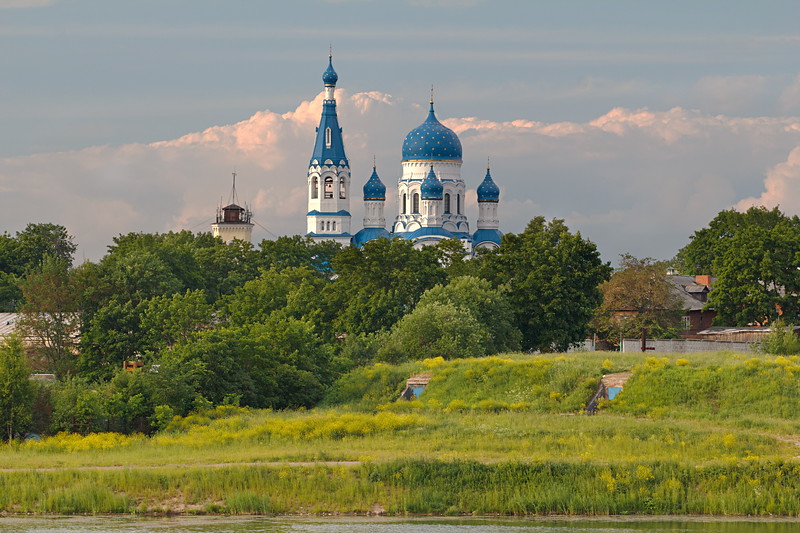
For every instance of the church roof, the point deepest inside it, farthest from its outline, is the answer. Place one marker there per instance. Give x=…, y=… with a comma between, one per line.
x=488, y=191
x=432, y=141
x=329, y=143
x=329, y=77
x=368, y=234
x=486, y=235
x=431, y=188
x=374, y=189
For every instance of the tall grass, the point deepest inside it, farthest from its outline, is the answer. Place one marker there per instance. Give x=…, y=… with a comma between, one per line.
x=420, y=487
x=497, y=435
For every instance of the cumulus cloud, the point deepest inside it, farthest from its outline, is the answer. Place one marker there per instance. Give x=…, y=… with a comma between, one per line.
x=637, y=181
x=781, y=187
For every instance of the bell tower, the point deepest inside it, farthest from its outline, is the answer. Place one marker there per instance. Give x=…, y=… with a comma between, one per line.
x=233, y=221
x=328, y=181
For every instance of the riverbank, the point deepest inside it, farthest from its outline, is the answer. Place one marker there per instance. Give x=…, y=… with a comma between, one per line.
x=492, y=450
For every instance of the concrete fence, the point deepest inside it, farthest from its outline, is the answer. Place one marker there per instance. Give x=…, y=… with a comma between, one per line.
x=685, y=346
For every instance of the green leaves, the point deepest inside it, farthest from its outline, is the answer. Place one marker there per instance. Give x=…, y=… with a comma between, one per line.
x=551, y=277
x=16, y=390
x=755, y=256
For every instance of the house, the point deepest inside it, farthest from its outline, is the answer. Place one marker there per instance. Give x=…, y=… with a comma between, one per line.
x=693, y=291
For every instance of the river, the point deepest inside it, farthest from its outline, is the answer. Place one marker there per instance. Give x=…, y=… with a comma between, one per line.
x=118, y=524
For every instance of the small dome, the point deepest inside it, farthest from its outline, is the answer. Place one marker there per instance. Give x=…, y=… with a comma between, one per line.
x=329, y=77
x=488, y=191
x=374, y=189
x=432, y=140
x=431, y=188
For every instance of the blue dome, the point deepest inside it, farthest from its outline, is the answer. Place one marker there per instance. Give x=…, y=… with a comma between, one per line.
x=329, y=77
x=488, y=191
x=374, y=189
x=368, y=234
x=432, y=140
x=483, y=236
x=431, y=188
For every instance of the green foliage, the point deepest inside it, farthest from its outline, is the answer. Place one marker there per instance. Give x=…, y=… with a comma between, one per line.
x=489, y=306
x=297, y=252
x=638, y=297
x=754, y=256
x=77, y=407
x=50, y=319
x=292, y=291
x=27, y=251
x=434, y=329
x=551, y=277
x=781, y=340
x=169, y=320
x=279, y=363
x=16, y=390
x=113, y=335
x=378, y=284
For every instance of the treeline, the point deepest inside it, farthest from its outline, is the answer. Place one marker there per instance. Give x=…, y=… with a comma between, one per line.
x=270, y=326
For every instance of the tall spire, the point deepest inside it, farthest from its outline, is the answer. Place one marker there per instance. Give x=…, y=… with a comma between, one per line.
x=329, y=144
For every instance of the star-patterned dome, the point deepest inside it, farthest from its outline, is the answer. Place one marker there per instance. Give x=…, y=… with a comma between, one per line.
x=329, y=77
x=374, y=189
x=432, y=140
x=488, y=191
x=431, y=188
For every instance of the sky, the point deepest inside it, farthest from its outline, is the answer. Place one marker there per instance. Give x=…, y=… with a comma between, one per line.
x=634, y=121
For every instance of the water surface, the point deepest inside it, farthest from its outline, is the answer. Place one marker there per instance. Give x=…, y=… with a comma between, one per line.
x=393, y=525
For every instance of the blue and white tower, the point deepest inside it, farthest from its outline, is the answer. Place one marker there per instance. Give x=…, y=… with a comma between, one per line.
x=328, y=216
x=488, y=233
x=432, y=149
x=374, y=217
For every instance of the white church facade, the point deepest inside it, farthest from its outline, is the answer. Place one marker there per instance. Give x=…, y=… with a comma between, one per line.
x=431, y=191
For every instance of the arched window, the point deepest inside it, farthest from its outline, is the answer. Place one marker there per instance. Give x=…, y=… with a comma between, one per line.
x=458, y=204
x=327, y=137
x=415, y=203
x=447, y=203
x=321, y=226
x=405, y=210
x=329, y=226
x=342, y=189
x=334, y=226
x=315, y=187
x=329, y=187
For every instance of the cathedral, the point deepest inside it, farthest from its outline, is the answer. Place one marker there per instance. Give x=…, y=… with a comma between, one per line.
x=430, y=191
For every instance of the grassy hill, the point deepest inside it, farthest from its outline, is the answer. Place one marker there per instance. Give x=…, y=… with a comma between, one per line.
x=695, y=433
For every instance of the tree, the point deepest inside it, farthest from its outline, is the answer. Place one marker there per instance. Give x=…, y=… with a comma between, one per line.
x=28, y=251
x=488, y=305
x=638, y=297
x=755, y=256
x=38, y=241
x=280, y=363
x=50, y=319
x=167, y=320
x=551, y=277
x=293, y=291
x=297, y=251
x=434, y=329
x=16, y=390
x=378, y=284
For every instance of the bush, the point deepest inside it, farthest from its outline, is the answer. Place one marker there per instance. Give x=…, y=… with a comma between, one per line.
x=781, y=340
